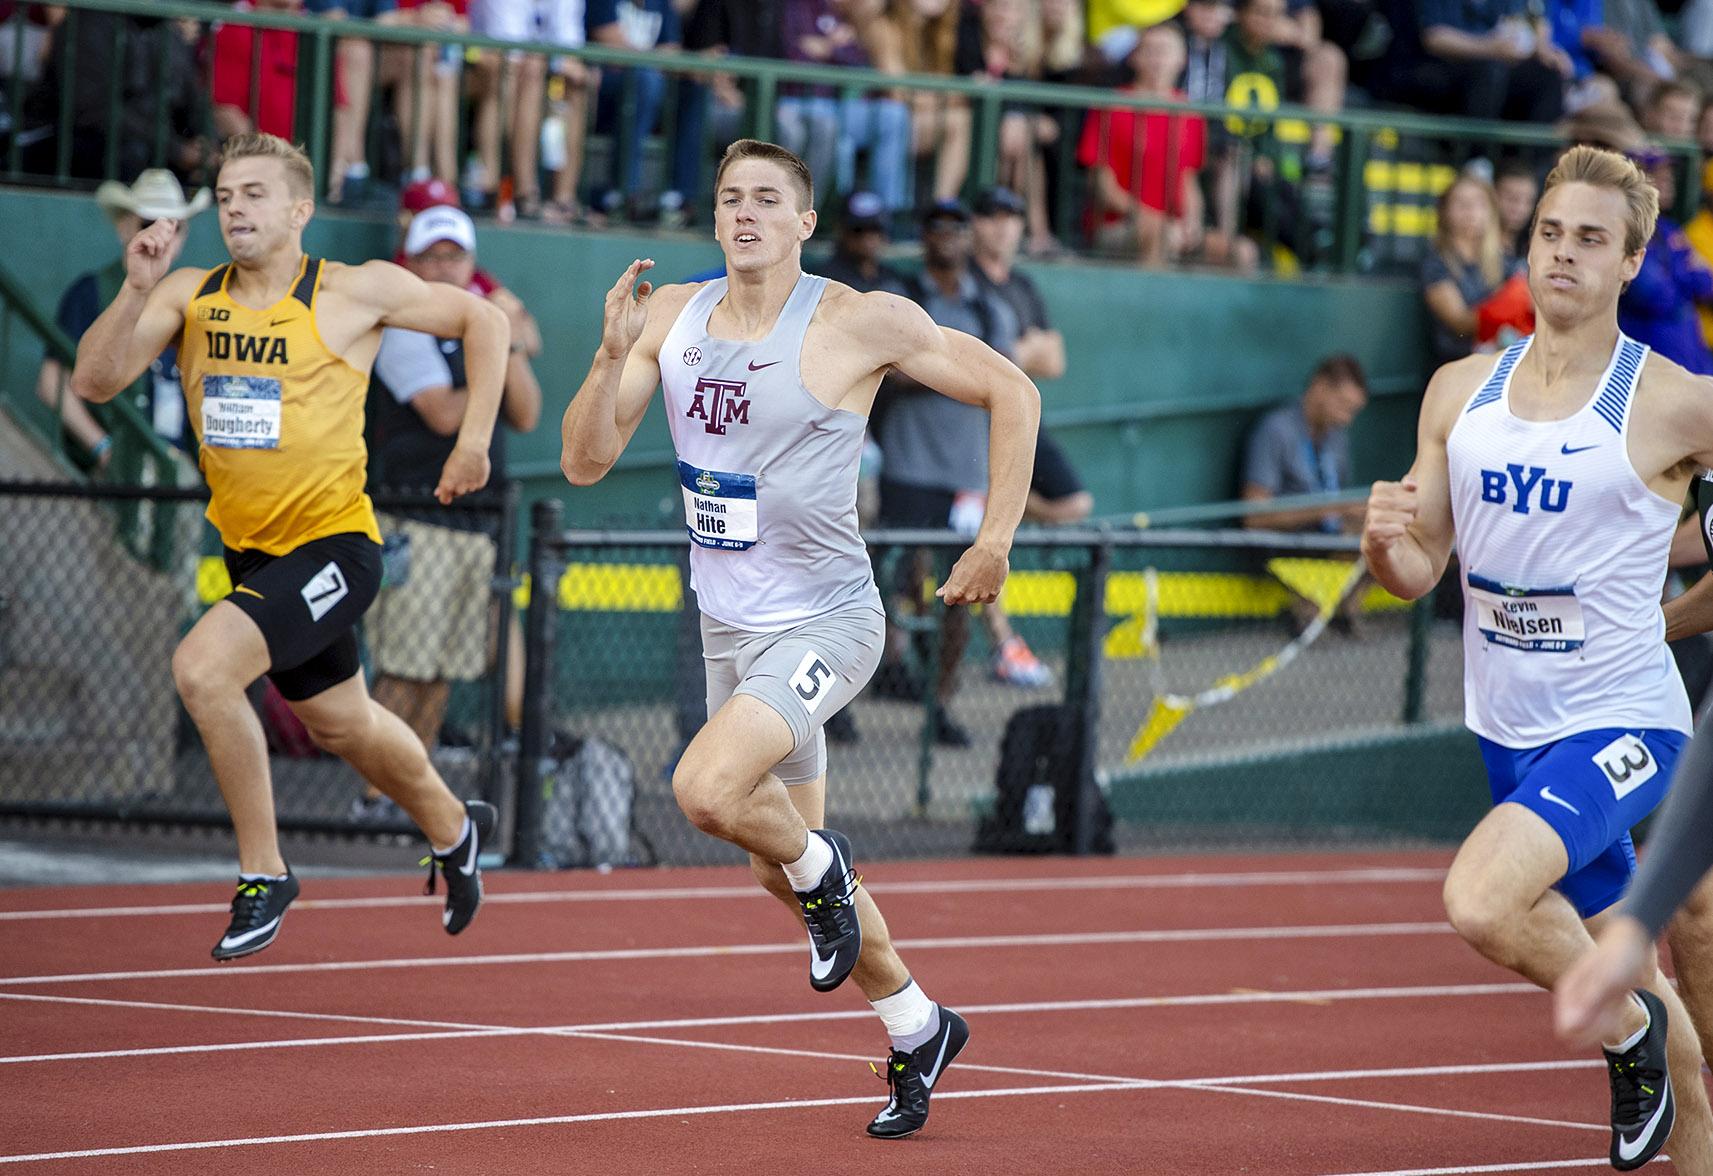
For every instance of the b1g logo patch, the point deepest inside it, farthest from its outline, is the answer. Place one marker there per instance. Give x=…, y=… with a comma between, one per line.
x=811, y=681
x=1627, y=763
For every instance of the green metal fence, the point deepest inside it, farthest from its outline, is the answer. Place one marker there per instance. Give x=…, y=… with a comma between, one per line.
x=1371, y=211
x=1140, y=631
x=36, y=360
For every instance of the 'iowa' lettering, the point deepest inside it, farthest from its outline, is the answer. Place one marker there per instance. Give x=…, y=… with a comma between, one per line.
x=246, y=348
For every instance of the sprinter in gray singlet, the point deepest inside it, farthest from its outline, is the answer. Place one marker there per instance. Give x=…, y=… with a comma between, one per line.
x=768, y=376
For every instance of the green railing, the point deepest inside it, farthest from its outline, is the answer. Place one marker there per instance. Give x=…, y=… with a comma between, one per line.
x=1372, y=211
x=138, y=457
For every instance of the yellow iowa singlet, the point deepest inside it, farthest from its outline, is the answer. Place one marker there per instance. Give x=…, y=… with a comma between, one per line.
x=279, y=417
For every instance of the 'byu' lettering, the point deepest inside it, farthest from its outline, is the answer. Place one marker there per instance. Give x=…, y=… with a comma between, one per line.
x=1497, y=487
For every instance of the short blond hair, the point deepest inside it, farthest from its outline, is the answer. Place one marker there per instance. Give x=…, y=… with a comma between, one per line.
x=300, y=173
x=1600, y=168
x=773, y=153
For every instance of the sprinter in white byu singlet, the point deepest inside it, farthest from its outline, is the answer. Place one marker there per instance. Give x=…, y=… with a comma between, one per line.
x=1558, y=471
x=768, y=376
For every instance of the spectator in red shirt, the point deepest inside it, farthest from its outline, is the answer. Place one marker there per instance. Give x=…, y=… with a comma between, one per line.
x=1144, y=165
x=272, y=106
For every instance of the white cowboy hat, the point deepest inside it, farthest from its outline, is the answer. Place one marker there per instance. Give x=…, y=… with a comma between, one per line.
x=155, y=196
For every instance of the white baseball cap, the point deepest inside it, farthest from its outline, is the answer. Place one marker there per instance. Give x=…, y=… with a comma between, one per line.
x=440, y=223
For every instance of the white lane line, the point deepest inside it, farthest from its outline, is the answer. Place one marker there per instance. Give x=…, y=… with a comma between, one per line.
x=1531, y=1166
x=230, y=1010
x=454, y=1030
x=1408, y=1108
x=550, y=1121
x=1190, y=881
x=1071, y=939
x=732, y=1108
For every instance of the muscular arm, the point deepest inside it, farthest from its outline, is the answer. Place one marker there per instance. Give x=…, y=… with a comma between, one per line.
x=1408, y=535
x=605, y=413
x=131, y=332
x=967, y=370
x=401, y=299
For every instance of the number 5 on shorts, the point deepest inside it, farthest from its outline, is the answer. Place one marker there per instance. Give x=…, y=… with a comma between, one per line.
x=811, y=680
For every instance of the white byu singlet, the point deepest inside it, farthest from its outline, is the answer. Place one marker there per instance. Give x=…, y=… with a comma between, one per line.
x=1564, y=549
x=769, y=473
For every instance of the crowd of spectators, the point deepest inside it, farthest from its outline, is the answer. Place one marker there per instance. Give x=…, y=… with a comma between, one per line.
x=512, y=128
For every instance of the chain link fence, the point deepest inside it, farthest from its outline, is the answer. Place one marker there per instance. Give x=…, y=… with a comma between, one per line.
x=99, y=583
x=1200, y=688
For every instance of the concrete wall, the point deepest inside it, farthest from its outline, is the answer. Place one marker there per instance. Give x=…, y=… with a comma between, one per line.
x=1166, y=369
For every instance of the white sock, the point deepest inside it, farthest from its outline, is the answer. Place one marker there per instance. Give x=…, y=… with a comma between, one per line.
x=807, y=870
x=1630, y=1042
x=463, y=832
x=242, y=877
x=356, y=171
x=910, y=1017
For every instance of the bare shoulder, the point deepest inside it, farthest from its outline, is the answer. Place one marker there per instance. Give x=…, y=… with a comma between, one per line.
x=178, y=287
x=364, y=278
x=665, y=304
x=890, y=324
x=1451, y=387
x=1678, y=399
x=1668, y=382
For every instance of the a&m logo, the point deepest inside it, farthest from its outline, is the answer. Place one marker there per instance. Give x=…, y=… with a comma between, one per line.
x=1518, y=487
x=718, y=403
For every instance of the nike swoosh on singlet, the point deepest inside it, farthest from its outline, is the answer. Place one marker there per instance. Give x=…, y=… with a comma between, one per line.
x=283, y=321
x=756, y=367
x=1567, y=450
x=1629, y=1150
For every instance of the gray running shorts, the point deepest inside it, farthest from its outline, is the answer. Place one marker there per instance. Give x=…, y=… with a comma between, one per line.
x=807, y=674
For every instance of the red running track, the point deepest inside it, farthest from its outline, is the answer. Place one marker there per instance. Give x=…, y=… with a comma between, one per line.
x=1291, y=1015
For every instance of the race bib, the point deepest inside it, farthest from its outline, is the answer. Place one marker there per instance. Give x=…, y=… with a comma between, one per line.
x=719, y=509
x=241, y=412
x=1538, y=620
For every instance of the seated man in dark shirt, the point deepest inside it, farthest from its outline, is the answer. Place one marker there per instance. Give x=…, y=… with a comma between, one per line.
x=1304, y=448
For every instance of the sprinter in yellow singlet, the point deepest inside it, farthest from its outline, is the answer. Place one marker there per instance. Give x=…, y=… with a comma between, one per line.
x=275, y=348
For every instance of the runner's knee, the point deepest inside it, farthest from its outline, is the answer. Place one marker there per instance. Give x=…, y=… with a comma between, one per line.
x=703, y=794
x=199, y=675
x=1483, y=921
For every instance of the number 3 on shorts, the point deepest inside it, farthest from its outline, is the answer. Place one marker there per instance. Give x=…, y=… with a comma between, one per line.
x=1628, y=764
x=811, y=680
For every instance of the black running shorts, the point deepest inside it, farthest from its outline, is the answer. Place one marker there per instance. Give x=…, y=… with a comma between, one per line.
x=307, y=603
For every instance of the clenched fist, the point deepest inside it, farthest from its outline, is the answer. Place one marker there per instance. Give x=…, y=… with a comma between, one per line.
x=1392, y=507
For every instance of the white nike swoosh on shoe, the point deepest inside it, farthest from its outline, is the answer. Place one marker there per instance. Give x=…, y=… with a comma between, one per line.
x=820, y=968
x=246, y=937
x=1628, y=1150
x=932, y=1076
x=469, y=866
x=886, y=1116
x=445, y=917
